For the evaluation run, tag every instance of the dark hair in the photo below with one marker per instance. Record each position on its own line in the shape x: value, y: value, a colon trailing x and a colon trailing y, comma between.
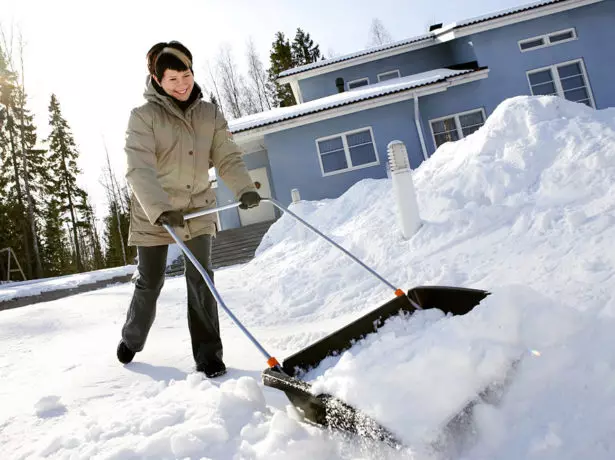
x: 168, y: 55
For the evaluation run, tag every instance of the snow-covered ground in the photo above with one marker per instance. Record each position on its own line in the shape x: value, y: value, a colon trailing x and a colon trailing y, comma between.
x: 524, y: 208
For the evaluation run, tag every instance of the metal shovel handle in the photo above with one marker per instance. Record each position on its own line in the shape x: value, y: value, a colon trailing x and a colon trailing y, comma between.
x: 398, y: 292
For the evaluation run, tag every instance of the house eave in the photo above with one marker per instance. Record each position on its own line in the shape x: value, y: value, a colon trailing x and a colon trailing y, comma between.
x: 355, y: 61
x: 453, y: 32
x: 253, y: 134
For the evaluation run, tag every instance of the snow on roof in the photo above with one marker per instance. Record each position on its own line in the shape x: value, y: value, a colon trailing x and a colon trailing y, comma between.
x: 420, y: 38
x: 506, y: 12
x: 348, y: 97
x: 357, y: 54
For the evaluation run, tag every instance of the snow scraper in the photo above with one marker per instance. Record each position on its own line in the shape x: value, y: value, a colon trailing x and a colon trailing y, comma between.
x: 323, y: 409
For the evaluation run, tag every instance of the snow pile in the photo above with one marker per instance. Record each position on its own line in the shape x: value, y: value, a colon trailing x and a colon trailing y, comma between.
x: 16, y: 289
x: 523, y: 208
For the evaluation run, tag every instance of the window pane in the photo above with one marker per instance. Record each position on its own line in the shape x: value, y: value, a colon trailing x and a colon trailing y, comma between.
x: 451, y: 136
x: 471, y: 119
x: 443, y: 126
x: 561, y: 36
x: 334, y: 161
x: 362, y: 137
x: 532, y: 44
x: 542, y: 76
x: 572, y: 83
x: 545, y: 89
x: 470, y: 129
x: 576, y: 95
x: 330, y: 145
x: 388, y: 76
x: 569, y: 70
x: 357, y: 84
x: 362, y: 154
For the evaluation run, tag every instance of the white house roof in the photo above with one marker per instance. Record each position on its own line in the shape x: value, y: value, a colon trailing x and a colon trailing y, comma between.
x: 364, y: 52
x: 431, y: 38
x: 345, y: 98
x: 506, y: 12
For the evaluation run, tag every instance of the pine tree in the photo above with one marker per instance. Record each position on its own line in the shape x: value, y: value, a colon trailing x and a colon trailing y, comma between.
x: 94, y: 259
x: 55, y: 249
x: 303, y: 49
x: 113, y: 253
x: 281, y: 59
x: 62, y: 162
x: 17, y: 233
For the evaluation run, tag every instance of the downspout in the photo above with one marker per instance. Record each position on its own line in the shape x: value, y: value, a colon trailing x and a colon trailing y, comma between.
x: 419, y: 126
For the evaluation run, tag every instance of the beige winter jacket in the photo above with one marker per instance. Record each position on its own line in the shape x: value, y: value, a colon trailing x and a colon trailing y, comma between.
x: 168, y: 156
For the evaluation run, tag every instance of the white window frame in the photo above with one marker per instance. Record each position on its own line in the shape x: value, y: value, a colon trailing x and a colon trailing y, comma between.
x: 546, y: 39
x: 396, y: 71
x: 558, y: 83
x: 455, y: 116
x: 356, y: 81
x: 347, y: 152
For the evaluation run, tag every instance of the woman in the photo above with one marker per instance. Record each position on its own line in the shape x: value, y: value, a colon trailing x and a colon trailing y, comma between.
x: 171, y: 142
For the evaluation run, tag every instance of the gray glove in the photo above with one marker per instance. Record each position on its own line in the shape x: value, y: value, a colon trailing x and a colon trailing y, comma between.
x: 172, y: 218
x: 249, y: 200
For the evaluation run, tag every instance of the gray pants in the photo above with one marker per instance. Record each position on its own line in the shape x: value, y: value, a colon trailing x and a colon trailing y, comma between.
x: 202, y: 307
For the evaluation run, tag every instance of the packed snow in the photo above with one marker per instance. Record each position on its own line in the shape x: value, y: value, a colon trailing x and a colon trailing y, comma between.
x: 523, y: 208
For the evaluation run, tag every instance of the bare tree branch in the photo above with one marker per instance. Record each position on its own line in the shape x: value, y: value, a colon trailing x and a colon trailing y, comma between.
x: 230, y: 81
x: 378, y: 34
x: 257, y: 77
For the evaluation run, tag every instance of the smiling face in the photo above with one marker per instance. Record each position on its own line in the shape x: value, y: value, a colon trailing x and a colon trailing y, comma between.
x: 177, y: 84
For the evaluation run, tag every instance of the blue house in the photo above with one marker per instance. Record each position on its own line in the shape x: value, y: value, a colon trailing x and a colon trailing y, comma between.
x: 424, y: 91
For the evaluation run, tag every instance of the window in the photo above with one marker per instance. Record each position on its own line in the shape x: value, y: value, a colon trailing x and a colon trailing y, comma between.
x: 567, y: 80
x: 347, y: 151
x: 358, y: 83
x: 553, y: 38
x: 389, y: 75
x: 455, y: 127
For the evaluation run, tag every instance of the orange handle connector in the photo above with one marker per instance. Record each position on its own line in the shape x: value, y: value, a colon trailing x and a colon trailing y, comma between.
x: 400, y: 293
x: 272, y: 362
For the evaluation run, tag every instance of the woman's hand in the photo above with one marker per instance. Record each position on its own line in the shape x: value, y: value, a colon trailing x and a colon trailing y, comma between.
x: 172, y: 218
x: 249, y: 200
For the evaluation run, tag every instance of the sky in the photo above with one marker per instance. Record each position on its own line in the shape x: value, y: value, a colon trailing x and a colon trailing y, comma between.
x: 92, y: 54
x: 523, y: 208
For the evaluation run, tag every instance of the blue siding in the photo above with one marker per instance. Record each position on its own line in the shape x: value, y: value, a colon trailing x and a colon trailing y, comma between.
x: 294, y: 156
x: 230, y: 217
x: 499, y: 50
x: 454, y: 100
x: 408, y: 64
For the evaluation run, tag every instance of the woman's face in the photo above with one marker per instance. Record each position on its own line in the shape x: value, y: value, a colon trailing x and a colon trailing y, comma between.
x: 177, y: 84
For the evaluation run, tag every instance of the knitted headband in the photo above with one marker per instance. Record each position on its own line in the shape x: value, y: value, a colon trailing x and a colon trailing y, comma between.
x: 178, y: 54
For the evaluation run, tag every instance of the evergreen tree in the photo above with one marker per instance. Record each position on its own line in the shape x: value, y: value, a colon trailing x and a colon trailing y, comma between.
x: 281, y: 59
x: 62, y: 163
x: 303, y: 49
x: 94, y: 259
x: 113, y: 252
x: 16, y: 140
x: 55, y: 251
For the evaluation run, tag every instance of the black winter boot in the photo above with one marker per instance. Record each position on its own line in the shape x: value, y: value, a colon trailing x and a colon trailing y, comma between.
x: 212, y: 370
x: 124, y: 354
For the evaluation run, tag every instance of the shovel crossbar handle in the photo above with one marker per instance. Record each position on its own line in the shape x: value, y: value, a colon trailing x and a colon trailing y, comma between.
x: 398, y: 292
x: 271, y: 361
